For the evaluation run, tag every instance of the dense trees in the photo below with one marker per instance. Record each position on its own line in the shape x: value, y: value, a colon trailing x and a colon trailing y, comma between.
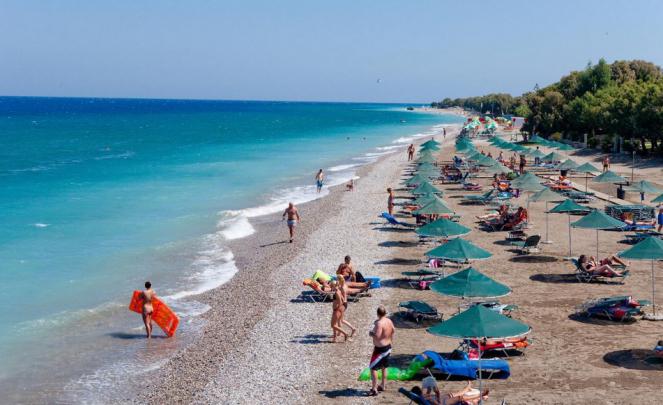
x: 624, y: 98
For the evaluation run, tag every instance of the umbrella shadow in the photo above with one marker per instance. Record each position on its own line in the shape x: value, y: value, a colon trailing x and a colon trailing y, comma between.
x: 402, y: 320
x: 396, y: 283
x: 634, y: 359
x: 591, y: 320
x: 399, y: 243
x: 398, y: 261
x: 533, y: 258
x: 394, y: 230
x: 554, y: 278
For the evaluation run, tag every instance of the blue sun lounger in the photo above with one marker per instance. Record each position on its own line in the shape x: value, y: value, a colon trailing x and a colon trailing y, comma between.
x: 458, y: 364
x: 393, y: 221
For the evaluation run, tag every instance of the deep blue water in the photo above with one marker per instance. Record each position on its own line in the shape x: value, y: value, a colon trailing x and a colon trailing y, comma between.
x: 99, y: 195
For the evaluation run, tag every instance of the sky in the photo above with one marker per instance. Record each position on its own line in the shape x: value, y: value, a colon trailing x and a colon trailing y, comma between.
x: 356, y: 50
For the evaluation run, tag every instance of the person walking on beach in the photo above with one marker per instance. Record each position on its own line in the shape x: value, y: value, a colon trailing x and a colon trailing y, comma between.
x: 382, y: 334
x: 147, y: 295
x: 390, y: 201
x: 344, y: 289
x: 410, y: 152
x: 606, y: 164
x: 319, y: 180
x: 444, y: 133
x: 338, y: 307
x: 659, y: 219
x: 292, y: 215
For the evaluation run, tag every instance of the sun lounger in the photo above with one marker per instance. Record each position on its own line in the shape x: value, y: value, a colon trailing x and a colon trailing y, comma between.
x: 503, y: 309
x: 317, y: 294
x: 618, y: 308
x: 415, y: 278
x: 414, y: 398
x: 584, y: 276
x: 484, y: 198
x: 393, y: 221
x: 505, y: 347
x: 420, y: 310
x: 529, y: 245
x: 458, y: 364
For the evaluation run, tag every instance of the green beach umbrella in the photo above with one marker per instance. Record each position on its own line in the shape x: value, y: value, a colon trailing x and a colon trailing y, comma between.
x: 526, y: 179
x: 479, y: 322
x: 416, y: 179
x: 568, y: 164
x: 443, y: 228
x: 598, y: 220
x: 568, y: 206
x: 537, y: 139
x: 537, y: 153
x: 426, y: 166
x: 460, y: 250
x: 609, y: 177
x: 565, y: 147
x: 429, y: 147
x: 424, y: 199
x: 586, y: 168
x: 435, y: 207
x: 470, y: 283
x: 644, y: 187
x: 658, y: 199
x: 553, y: 157
x: 497, y: 168
x: 650, y: 248
x: 425, y: 188
x: 430, y: 142
x: 546, y: 195
x: 426, y: 159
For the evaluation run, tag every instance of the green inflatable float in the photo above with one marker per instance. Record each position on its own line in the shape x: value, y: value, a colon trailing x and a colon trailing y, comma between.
x: 399, y: 374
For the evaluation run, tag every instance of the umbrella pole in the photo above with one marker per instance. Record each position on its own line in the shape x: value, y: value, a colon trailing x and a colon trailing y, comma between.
x: 568, y: 214
x: 597, y: 245
x: 653, y: 288
x: 586, y: 177
x: 480, y: 385
x: 547, y: 220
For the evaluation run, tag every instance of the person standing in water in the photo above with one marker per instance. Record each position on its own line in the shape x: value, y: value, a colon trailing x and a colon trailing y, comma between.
x: 147, y: 295
x: 382, y: 334
x: 319, y: 180
x: 390, y: 201
x: 410, y: 152
x: 293, y: 218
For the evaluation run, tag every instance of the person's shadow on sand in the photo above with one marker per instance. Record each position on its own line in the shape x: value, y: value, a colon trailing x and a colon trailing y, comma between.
x: 311, y: 339
x: 281, y: 242
x: 345, y: 392
x: 132, y: 336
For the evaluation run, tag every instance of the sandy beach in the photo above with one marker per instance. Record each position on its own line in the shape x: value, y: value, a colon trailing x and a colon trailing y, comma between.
x: 264, y: 342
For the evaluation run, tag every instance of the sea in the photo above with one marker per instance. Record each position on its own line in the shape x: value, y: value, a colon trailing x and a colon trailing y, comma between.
x: 99, y: 195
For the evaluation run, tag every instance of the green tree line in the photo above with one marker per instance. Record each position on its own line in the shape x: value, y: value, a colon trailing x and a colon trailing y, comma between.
x: 604, y: 100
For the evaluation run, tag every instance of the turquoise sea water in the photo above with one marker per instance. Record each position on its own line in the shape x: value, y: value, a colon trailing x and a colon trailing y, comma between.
x: 99, y: 195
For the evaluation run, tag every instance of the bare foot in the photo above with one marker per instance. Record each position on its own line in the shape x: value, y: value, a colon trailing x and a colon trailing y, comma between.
x: 353, y: 332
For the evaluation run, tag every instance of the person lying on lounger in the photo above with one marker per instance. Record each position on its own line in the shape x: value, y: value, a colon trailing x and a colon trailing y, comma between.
x: 499, y: 215
x: 467, y: 395
x: 601, y: 270
x: 324, y: 280
x: 610, y: 260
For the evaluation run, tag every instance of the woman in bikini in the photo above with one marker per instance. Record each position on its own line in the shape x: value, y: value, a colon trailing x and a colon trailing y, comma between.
x: 343, y: 289
x: 602, y: 270
x: 147, y: 296
x: 337, y: 313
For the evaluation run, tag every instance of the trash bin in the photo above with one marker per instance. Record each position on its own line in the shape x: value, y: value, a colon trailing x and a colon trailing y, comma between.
x: 621, y: 193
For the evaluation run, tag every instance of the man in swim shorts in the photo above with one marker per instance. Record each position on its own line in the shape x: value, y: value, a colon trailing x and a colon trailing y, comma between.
x: 382, y: 334
x: 319, y: 180
x: 293, y: 218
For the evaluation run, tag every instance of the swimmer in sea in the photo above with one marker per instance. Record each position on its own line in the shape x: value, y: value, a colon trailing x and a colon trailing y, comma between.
x: 148, y: 295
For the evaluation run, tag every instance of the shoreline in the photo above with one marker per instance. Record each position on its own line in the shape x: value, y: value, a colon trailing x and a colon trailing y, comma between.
x: 237, y: 306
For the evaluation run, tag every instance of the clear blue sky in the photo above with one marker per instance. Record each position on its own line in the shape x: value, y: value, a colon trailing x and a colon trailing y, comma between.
x: 313, y: 50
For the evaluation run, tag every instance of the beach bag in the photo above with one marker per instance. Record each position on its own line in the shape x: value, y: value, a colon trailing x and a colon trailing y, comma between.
x: 423, y: 285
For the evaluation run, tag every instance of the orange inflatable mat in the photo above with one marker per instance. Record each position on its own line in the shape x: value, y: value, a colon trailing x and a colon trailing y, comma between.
x: 162, y: 315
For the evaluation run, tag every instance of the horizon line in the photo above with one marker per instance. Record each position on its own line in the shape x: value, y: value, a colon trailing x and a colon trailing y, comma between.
x: 221, y: 99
